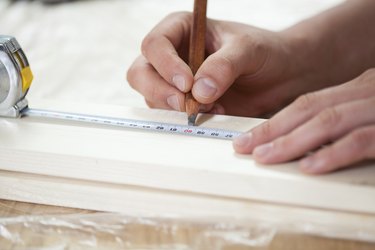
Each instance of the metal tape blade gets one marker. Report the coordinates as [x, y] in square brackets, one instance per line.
[134, 124]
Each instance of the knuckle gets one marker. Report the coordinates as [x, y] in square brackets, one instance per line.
[134, 73]
[369, 73]
[329, 117]
[150, 104]
[260, 50]
[136, 79]
[259, 46]
[153, 94]
[305, 102]
[225, 66]
[287, 148]
[179, 15]
[367, 77]
[246, 40]
[131, 75]
[283, 142]
[266, 129]
[153, 37]
[361, 139]
[147, 43]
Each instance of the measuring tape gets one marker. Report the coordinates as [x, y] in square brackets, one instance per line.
[15, 77]
[134, 124]
[15, 81]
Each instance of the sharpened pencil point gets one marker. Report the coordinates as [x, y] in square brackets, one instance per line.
[191, 119]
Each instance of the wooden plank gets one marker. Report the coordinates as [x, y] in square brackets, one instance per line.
[138, 201]
[150, 160]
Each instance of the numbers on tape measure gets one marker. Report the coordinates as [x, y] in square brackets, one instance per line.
[128, 123]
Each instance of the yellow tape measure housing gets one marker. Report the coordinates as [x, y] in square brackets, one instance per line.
[15, 77]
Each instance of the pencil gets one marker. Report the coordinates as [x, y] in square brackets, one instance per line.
[196, 54]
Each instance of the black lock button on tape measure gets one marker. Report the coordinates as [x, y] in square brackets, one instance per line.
[15, 81]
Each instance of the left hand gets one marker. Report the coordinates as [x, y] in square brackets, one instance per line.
[342, 117]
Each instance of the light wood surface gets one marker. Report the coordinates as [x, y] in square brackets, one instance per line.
[139, 173]
[152, 160]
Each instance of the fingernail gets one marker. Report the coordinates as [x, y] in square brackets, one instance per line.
[263, 151]
[243, 140]
[179, 82]
[173, 102]
[205, 88]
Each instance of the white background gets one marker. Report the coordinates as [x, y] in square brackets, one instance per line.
[80, 51]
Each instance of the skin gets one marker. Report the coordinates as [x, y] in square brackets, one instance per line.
[323, 63]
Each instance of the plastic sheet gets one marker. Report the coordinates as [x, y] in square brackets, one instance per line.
[115, 231]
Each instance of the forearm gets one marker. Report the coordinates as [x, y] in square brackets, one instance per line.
[334, 46]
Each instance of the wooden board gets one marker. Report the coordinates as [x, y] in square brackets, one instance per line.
[171, 162]
[139, 173]
[128, 157]
[166, 162]
[149, 202]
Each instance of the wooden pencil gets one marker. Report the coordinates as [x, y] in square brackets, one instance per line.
[196, 54]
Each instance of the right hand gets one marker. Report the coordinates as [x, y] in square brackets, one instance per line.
[247, 72]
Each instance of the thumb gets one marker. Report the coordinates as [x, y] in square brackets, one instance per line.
[217, 74]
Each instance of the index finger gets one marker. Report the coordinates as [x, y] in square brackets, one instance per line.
[160, 48]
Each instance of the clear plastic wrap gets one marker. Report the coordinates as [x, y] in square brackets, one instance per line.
[115, 231]
[119, 231]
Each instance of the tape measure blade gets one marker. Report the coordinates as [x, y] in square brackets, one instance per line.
[134, 124]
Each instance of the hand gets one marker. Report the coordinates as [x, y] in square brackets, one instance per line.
[248, 71]
[342, 117]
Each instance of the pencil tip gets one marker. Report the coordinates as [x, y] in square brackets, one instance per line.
[191, 119]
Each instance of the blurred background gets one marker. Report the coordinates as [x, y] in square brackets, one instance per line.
[80, 51]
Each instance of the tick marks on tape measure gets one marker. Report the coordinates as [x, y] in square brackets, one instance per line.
[138, 124]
